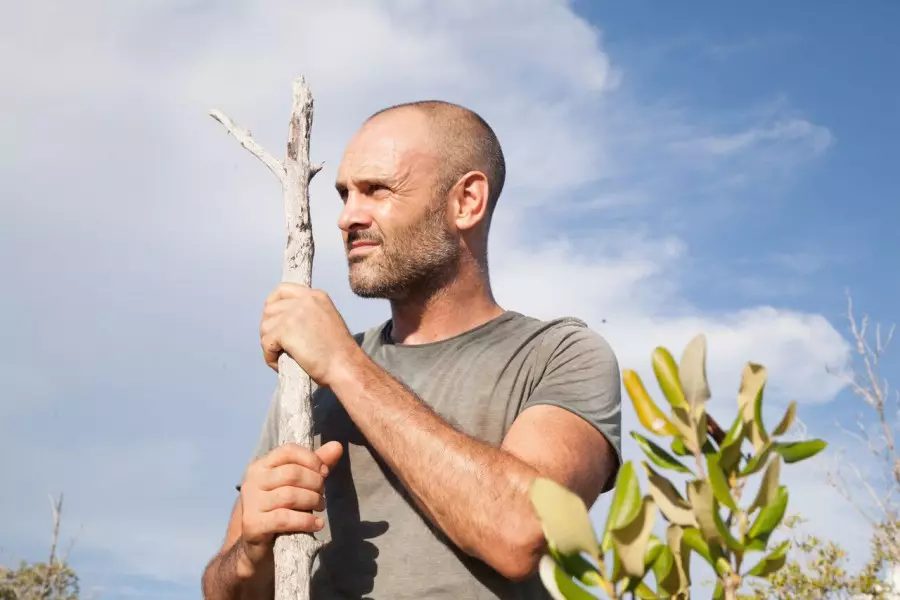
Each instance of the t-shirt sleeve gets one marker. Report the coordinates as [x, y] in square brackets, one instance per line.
[581, 375]
[268, 435]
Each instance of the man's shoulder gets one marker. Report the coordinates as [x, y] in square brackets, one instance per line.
[564, 333]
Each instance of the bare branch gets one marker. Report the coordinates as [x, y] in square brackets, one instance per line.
[50, 581]
[865, 381]
[293, 553]
[246, 140]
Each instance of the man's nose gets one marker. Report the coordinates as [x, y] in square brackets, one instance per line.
[355, 214]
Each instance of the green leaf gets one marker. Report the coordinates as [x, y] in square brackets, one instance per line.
[671, 568]
[753, 381]
[730, 450]
[576, 567]
[625, 504]
[787, 420]
[693, 539]
[720, 487]
[654, 547]
[669, 501]
[736, 432]
[663, 570]
[631, 586]
[700, 495]
[701, 431]
[558, 584]
[710, 522]
[732, 542]
[681, 553]
[644, 592]
[564, 518]
[631, 540]
[768, 487]
[769, 517]
[723, 567]
[683, 421]
[793, 452]
[659, 456]
[772, 562]
[616, 574]
[692, 372]
[666, 372]
[647, 411]
[758, 460]
[679, 448]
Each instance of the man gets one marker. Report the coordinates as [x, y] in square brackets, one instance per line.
[430, 427]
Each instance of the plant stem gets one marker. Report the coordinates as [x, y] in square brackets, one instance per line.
[698, 453]
[608, 586]
[731, 583]
[700, 471]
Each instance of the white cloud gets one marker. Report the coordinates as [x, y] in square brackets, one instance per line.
[803, 135]
[146, 238]
[625, 289]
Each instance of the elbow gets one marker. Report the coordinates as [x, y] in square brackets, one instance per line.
[517, 556]
[521, 568]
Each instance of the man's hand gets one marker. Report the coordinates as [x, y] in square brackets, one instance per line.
[305, 323]
[278, 494]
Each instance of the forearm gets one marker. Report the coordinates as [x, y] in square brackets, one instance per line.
[229, 576]
[476, 493]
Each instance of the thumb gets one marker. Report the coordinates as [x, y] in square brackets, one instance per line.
[330, 453]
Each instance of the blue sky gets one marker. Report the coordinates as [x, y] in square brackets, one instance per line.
[829, 61]
[671, 171]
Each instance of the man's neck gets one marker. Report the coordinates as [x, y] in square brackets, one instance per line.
[462, 305]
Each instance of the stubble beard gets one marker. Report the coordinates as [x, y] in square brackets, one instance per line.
[414, 263]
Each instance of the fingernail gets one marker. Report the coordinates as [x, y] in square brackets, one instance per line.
[324, 470]
[319, 522]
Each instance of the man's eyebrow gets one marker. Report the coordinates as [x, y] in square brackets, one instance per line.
[366, 181]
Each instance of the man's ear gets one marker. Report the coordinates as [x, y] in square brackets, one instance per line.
[471, 200]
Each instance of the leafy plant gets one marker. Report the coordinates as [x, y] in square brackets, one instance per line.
[819, 569]
[51, 580]
[709, 519]
[39, 581]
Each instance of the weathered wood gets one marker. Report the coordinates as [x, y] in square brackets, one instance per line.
[294, 553]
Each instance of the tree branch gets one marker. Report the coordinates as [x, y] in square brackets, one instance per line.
[246, 140]
[293, 553]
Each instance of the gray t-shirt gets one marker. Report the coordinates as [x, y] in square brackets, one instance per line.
[380, 545]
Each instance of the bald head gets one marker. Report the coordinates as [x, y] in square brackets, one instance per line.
[462, 141]
[419, 183]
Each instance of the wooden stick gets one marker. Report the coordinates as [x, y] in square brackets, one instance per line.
[294, 553]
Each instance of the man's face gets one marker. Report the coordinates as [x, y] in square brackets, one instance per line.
[396, 233]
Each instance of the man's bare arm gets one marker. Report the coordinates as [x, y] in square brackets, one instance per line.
[229, 576]
[476, 493]
[279, 493]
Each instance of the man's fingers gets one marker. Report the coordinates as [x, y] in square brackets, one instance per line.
[292, 454]
[292, 475]
[330, 453]
[293, 498]
[277, 307]
[283, 520]
[285, 290]
[267, 328]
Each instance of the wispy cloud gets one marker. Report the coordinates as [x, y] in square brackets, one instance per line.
[804, 139]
